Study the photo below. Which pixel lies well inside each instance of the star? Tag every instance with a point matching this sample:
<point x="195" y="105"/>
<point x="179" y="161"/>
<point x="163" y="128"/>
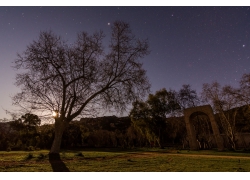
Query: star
<point x="243" y="45"/>
<point x="108" y="24"/>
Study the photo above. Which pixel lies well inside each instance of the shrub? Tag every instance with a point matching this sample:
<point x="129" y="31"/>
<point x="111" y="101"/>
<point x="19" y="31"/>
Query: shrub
<point x="79" y="154"/>
<point x="30" y="148"/>
<point x="8" y="149"/>
<point x="29" y="156"/>
<point x="41" y="156"/>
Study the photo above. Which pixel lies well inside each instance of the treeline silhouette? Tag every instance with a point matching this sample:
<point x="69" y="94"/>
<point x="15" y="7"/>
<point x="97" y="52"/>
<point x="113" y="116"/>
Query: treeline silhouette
<point x="101" y="132"/>
<point x="108" y="131"/>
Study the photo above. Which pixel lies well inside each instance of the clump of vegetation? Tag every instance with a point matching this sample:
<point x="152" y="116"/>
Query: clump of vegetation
<point x="79" y="154"/>
<point x="30" y="148"/>
<point x="41" y="156"/>
<point x="29" y="156"/>
<point x="8" y="149"/>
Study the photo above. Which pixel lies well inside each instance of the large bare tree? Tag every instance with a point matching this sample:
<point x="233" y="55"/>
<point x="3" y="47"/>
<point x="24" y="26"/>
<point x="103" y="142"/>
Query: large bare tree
<point x="72" y="80"/>
<point x="187" y="97"/>
<point x="226" y="105"/>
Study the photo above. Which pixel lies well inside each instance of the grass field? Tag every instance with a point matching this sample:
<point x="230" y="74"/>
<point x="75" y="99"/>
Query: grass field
<point x="115" y="160"/>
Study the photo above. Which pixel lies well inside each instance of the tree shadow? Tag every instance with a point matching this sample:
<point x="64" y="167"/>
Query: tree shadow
<point x="56" y="163"/>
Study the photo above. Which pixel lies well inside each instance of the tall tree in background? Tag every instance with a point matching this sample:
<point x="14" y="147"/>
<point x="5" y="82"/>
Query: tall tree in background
<point x="226" y="105"/>
<point x="187" y="97"/>
<point x="74" y="80"/>
<point x="245" y="89"/>
<point x="242" y="94"/>
<point x="150" y="116"/>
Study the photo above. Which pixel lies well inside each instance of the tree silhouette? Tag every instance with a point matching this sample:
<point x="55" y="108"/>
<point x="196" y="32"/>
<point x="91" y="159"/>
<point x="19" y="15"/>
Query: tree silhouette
<point x="187" y="97"/>
<point x="76" y="79"/>
<point x="150" y="117"/>
<point x="226" y="105"/>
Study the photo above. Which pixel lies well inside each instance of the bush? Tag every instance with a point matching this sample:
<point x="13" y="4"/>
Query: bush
<point x="41" y="156"/>
<point x="30" y="148"/>
<point x="79" y="154"/>
<point x="8" y="149"/>
<point x="29" y="156"/>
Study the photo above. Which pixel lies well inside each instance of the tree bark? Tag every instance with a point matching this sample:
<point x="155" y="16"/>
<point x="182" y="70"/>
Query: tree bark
<point x="60" y="126"/>
<point x="159" y="143"/>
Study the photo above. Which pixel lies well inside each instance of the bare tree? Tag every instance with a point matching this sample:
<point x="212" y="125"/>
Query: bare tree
<point x="187" y="97"/>
<point x="245" y="88"/>
<point x="242" y="94"/>
<point x="74" y="80"/>
<point x="226" y="105"/>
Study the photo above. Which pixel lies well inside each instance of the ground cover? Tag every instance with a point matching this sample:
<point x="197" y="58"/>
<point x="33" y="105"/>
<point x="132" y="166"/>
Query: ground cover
<point x="116" y="160"/>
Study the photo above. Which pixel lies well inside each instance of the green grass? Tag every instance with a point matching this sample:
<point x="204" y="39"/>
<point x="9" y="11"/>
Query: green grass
<point x="139" y="160"/>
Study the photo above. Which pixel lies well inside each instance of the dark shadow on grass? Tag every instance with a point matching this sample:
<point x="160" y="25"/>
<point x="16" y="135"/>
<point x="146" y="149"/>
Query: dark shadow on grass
<point x="57" y="164"/>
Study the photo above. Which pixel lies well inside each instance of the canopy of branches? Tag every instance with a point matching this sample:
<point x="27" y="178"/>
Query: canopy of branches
<point x="75" y="79"/>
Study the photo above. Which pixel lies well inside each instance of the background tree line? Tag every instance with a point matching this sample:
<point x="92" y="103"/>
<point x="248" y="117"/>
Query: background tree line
<point x="230" y="106"/>
<point x="155" y="122"/>
<point x="110" y="132"/>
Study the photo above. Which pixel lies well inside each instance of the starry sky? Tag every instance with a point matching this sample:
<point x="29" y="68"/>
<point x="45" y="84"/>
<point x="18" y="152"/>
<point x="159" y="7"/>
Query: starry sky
<point x="189" y="45"/>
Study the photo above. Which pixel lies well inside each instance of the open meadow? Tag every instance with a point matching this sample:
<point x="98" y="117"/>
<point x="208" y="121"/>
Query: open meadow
<point x="117" y="160"/>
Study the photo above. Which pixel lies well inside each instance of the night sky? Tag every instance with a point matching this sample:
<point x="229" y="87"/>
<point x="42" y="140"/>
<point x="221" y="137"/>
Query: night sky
<point x="189" y="45"/>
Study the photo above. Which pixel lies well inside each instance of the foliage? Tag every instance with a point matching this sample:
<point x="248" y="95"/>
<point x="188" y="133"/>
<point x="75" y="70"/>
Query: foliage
<point x="176" y="131"/>
<point x="243" y="119"/>
<point x="187" y="97"/>
<point x="29" y="156"/>
<point x="150" y="116"/>
<point x="41" y="156"/>
<point x="23" y="132"/>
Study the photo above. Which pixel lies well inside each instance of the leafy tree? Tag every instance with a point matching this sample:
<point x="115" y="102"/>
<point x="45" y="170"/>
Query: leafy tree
<point x="26" y="126"/>
<point x="30" y="121"/>
<point x="80" y="78"/>
<point x="176" y="130"/>
<point x="5" y="135"/>
<point x="46" y="136"/>
<point x="150" y="116"/>
<point x="84" y="133"/>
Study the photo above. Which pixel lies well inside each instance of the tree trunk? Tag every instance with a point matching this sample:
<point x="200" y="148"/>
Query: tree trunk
<point x="159" y="140"/>
<point x="60" y="126"/>
<point x="159" y="143"/>
<point x="232" y="143"/>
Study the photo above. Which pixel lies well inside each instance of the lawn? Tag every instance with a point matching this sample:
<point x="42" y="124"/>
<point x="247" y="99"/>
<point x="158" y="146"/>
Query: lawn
<point x="117" y="160"/>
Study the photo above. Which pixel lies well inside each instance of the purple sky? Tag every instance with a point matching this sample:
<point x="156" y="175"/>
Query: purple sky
<point x="189" y="45"/>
